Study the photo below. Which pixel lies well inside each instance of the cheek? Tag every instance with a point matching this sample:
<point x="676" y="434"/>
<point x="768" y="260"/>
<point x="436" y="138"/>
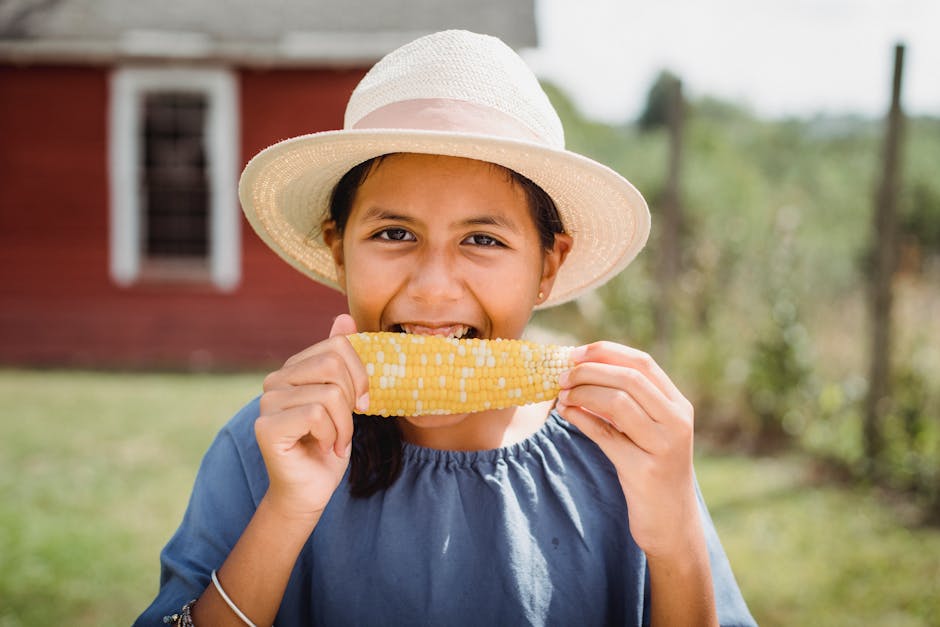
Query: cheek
<point x="509" y="292"/>
<point x="369" y="285"/>
<point x="508" y="283"/>
<point x="522" y="276"/>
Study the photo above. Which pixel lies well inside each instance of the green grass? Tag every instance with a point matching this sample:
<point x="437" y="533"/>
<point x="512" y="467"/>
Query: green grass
<point x="96" y="468"/>
<point x="95" y="472"/>
<point x="811" y="553"/>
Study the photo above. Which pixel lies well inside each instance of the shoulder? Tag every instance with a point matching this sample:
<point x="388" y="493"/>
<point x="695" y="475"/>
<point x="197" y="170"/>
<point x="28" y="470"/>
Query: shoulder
<point x="228" y="487"/>
<point x="240" y="429"/>
<point x="234" y="453"/>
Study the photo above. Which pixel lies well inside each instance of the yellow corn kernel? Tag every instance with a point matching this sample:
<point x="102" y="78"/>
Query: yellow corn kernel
<point x="414" y="375"/>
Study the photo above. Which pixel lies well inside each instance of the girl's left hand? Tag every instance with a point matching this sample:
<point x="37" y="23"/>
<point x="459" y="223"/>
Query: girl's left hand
<point x="621" y="399"/>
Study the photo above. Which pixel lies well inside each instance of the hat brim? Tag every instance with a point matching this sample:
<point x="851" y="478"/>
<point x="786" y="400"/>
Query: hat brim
<point x="285" y="192"/>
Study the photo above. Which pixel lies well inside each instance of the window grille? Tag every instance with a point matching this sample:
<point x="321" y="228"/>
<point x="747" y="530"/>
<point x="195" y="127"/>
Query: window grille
<point x="174" y="178"/>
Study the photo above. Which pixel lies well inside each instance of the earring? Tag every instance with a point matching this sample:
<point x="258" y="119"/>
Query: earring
<point x="541" y="294"/>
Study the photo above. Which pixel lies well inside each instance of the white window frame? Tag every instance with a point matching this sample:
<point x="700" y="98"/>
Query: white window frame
<point x="129" y="85"/>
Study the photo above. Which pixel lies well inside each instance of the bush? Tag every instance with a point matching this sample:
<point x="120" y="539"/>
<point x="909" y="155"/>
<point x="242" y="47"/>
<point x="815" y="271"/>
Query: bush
<point x="769" y="333"/>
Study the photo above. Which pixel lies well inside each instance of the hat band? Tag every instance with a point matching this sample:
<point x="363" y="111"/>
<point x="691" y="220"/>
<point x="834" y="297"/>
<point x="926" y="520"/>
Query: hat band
<point x="448" y="115"/>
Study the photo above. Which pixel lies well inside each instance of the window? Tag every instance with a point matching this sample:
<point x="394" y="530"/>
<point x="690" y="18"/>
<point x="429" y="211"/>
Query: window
<point x="173" y="169"/>
<point x="175" y="186"/>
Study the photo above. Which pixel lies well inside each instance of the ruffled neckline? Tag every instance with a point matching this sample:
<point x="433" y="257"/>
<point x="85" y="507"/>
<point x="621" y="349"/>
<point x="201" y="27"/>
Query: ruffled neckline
<point x="554" y="425"/>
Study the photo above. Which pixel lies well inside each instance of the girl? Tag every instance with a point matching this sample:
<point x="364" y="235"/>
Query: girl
<point x="449" y="206"/>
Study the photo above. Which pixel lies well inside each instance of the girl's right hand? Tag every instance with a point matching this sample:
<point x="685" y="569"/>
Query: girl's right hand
<point x="305" y="429"/>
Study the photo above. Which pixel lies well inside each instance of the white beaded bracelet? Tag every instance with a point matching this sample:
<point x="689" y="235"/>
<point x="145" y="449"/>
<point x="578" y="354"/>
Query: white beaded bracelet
<point x="238" y="612"/>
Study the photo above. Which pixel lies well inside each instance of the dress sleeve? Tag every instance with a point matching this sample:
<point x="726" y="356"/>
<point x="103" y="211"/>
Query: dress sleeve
<point x="732" y="609"/>
<point x="228" y="487"/>
<point x="729" y="602"/>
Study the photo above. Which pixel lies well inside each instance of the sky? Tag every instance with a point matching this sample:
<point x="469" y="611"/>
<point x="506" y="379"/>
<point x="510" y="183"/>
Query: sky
<point x="778" y="57"/>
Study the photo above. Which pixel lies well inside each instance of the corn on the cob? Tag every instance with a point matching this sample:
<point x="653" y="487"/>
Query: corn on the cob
<point x="414" y="375"/>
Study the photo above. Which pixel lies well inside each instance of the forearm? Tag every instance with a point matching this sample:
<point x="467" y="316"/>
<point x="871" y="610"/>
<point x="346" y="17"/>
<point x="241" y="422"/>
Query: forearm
<point x="256" y="572"/>
<point x="681" y="589"/>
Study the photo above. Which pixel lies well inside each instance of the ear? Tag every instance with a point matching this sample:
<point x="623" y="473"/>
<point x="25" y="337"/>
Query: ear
<point x="551" y="263"/>
<point x="334" y="239"/>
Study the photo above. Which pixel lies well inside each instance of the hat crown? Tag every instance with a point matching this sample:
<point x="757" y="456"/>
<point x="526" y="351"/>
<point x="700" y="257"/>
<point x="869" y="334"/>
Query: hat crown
<point x="461" y="66"/>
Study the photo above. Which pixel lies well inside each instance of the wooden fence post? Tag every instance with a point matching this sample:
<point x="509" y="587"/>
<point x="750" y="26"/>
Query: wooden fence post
<point x="670" y="228"/>
<point x="883" y="261"/>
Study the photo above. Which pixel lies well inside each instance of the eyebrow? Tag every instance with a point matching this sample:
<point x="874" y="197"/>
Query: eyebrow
<point x="379" y="214"/>
<point x="490" y="220"/>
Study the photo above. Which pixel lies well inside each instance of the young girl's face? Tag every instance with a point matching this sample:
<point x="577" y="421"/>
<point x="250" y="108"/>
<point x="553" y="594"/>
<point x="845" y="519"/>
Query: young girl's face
<point x="445" y="246"/>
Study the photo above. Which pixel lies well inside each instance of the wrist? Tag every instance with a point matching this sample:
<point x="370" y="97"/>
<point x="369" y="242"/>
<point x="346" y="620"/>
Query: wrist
<point x="685" y="553"/>
<point x="670" y="530"/>
<point x="287" y="515"/>
<point x="681" y="587"/>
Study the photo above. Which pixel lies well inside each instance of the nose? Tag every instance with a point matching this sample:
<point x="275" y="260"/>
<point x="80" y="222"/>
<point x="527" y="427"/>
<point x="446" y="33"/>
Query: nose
<point x="435" y="278"/>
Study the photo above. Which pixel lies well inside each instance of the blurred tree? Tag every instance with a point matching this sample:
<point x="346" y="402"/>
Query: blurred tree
<point x="778" y="373"/>
<point x="659" y="99"/>
<point x="920" y="222"/>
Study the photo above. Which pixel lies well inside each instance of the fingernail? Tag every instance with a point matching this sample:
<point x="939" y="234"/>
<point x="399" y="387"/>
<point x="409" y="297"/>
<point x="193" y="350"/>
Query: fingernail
<point x="563" y="379"/>
<point x="563" y="397"/>
<point x="578" y="353"/>
<point x="362" y="403"/>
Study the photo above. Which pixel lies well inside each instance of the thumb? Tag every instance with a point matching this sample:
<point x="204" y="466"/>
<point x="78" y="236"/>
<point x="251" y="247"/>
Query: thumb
<point x="343" y="325"/>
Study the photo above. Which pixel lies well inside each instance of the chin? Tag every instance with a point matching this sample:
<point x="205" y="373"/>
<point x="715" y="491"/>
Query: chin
<point x="434" y="421"/>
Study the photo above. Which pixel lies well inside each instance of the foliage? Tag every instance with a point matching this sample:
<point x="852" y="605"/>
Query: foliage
<point x="779" y="373"/>
<point x="920" y="222"/>
<point x="913" y="439"/>
<point x="771" y="325"/>
<point x="776" y="381"/>
<point x="920" y="197"/>
<point x="658" y="101"/>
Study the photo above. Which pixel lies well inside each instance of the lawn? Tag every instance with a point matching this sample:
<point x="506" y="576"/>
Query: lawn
<point x="95" y="470"/>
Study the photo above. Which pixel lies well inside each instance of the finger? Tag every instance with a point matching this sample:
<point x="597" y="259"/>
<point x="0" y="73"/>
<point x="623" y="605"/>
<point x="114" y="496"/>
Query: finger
<point x="332" y="361"/>
<point x="620" y="355"/>
<point x="612" y="442"/>
<point x="320" y="368"/>
<point x="341" y="414"/>
<point x="335" y="397"/>
<point x="343" y="325"/>
<point x="636" y="383"/>
<point x="281" y="399"/>
<point x="284" y="430"/>
<point x="619" y="409"/>
<point x="329" y="395"/>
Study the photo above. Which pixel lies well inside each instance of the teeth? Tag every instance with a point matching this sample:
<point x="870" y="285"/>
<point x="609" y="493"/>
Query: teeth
<point x="454" y="332"/>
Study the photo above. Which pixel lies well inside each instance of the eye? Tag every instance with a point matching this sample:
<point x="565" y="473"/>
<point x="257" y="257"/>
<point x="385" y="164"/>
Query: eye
<point x="482" y="239"/>
<point x="395" y="234"/>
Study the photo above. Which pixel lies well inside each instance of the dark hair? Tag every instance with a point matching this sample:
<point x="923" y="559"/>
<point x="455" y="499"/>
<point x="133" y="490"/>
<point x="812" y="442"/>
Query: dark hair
<point x="376" y="454"/>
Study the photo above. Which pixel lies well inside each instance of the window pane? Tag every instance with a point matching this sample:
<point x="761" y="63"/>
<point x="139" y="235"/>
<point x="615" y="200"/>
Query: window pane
<point x="175" y="180"/>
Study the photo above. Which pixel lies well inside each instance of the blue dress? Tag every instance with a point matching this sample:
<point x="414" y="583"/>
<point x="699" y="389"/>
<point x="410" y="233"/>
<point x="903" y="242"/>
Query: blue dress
<point x="535" y="533"/>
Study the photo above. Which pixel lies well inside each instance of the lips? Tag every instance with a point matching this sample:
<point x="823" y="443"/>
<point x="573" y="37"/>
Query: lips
<point x="451" y="330"/>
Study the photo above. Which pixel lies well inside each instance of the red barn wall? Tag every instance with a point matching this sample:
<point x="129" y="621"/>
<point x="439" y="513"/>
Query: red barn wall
<point x="58" y="306"/>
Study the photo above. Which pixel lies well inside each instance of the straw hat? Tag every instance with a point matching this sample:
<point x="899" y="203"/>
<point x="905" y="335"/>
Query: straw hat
<point x="459" y="94"/>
